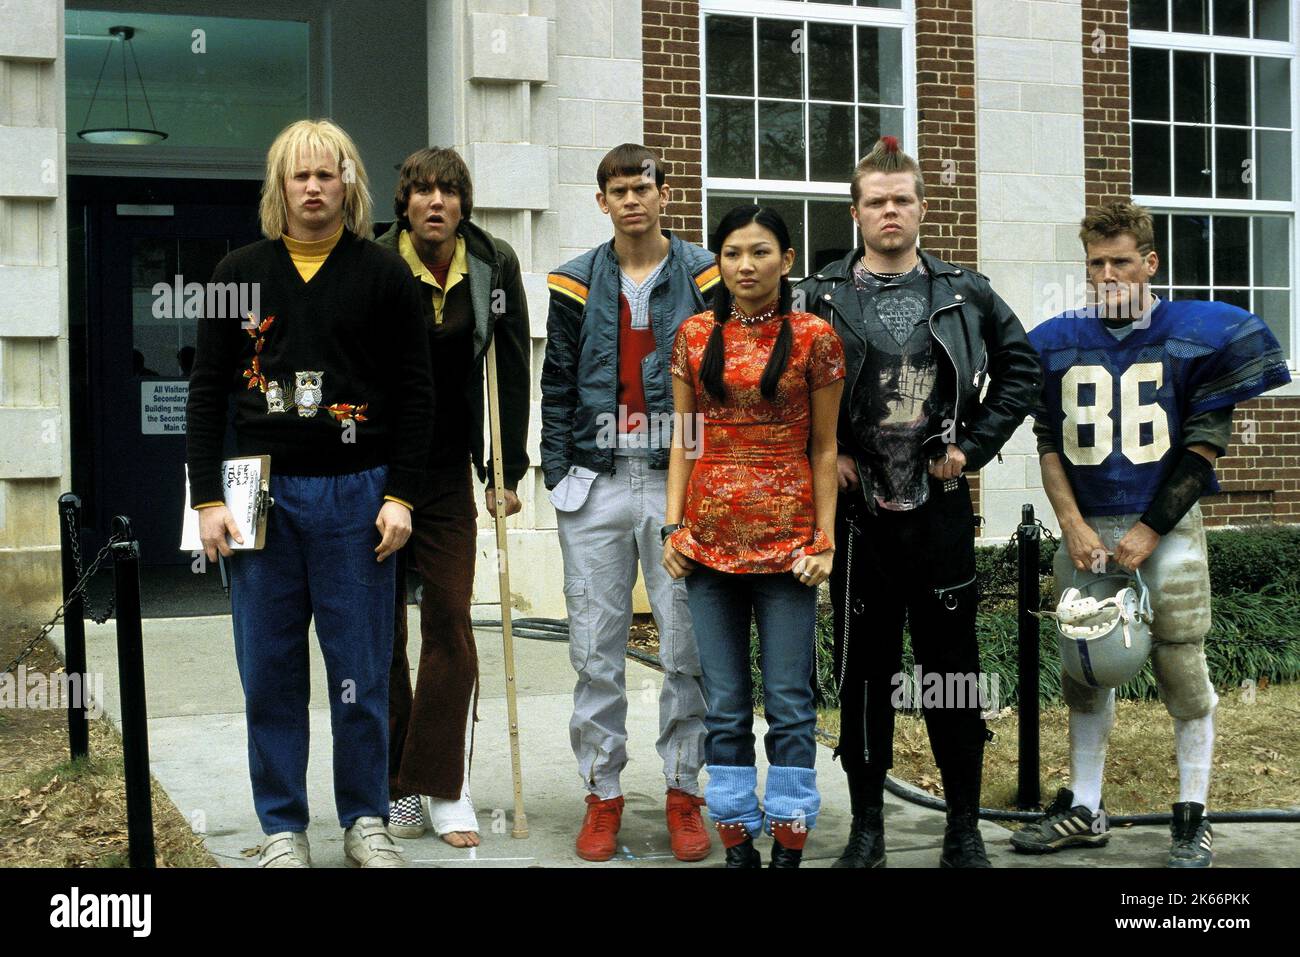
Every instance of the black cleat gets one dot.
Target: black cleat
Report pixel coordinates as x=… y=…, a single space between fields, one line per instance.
x=1192 y=843
x=1062 y=826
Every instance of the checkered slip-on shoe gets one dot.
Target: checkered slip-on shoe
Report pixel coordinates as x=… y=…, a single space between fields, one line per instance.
x=406 y=817
x=1065 y=824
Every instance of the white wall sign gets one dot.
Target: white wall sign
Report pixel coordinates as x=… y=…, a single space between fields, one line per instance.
x=162 y=406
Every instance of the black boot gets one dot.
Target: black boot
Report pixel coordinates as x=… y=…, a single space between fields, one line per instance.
x=744 y=855
x=962 y=844
x=783 y=856
x=866 y=847
x=788 y=838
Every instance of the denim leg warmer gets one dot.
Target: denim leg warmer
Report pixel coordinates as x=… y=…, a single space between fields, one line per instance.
x=791 y=796
x=732 y=793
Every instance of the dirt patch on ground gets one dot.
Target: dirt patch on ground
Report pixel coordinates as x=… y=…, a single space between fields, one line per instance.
x=58 y=813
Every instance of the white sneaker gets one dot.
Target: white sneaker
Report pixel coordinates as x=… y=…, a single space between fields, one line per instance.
x=285 y=849
x=367 y=844
x=406 y=817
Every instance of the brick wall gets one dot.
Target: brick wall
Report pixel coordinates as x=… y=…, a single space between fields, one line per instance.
x=670 y=49
x=1260 y=474
x=945 y=99
x=945 y=126
x=1106 y=145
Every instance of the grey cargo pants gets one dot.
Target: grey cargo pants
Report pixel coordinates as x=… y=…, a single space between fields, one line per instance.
x=601 y=543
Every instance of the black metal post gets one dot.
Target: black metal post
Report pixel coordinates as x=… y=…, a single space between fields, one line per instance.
x=1028 y=794
x=135 y=724
x=74 y=626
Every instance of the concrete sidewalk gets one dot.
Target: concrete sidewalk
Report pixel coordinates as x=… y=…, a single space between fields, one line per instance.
x=199 y=755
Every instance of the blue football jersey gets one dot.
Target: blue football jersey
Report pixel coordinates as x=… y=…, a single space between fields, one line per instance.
x=1116 y=407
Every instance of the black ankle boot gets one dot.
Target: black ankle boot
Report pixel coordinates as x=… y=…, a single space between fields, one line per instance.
x=783 y=856
x=866 y=847
x=744 y=855
x=962 y=844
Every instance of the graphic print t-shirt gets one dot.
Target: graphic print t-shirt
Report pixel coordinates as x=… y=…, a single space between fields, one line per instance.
x=897 y=401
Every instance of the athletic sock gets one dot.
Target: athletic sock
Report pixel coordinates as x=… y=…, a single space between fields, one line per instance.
x=1089 y=732
x=1194 y=743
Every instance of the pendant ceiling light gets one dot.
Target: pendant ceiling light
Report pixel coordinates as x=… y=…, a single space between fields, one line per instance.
x=123 y=135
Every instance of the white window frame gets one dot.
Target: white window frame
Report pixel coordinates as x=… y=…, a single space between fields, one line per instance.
x=1213 y=43
x=904 y=19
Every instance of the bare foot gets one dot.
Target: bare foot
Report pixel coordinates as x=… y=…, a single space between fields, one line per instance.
x=461 y=838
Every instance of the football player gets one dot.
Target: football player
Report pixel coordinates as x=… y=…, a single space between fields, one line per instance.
x=1137 y=405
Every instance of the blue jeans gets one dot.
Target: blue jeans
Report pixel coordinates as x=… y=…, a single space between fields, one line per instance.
x=721 y=605
x=319 y=562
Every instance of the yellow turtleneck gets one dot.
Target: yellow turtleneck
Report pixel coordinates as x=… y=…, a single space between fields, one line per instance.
x=309 y=256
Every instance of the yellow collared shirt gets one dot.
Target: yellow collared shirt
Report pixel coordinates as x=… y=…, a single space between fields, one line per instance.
x=457 y=271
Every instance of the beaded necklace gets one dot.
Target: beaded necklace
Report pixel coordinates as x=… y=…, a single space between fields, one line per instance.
x=885 y=277
x=762 y=315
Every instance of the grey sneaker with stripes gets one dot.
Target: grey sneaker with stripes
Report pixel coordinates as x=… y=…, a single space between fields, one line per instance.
x=1192 y=843
x=1063 y=825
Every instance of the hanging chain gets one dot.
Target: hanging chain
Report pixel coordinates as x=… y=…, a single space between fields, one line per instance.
x=77 y=592
x=74 y=539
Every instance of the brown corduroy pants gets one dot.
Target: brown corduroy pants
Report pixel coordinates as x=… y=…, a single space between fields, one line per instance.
x=426 y=730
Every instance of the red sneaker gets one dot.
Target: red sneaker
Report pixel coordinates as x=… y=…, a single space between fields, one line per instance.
x=598 y=838
x=686 y=830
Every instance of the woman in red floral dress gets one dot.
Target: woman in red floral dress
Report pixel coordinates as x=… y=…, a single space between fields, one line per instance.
x=751 y=512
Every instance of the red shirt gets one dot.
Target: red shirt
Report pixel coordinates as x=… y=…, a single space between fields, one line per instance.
x=439 y=271
x=633 y=346
x=749 y=501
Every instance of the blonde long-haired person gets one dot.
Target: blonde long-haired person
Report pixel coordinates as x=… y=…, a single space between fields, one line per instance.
x=331 y=379
x=750 y=522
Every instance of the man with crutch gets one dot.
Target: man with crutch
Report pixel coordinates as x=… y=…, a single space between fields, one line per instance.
x=475 y=315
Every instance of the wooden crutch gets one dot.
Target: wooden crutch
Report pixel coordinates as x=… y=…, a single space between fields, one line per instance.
x=520 y=828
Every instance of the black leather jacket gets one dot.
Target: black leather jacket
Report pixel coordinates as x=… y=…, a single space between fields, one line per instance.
x=978 y=332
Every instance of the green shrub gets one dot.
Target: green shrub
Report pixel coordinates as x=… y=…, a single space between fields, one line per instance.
x=1251 y=559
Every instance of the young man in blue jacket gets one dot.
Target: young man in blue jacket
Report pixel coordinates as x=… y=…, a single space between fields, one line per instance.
x=606 y=431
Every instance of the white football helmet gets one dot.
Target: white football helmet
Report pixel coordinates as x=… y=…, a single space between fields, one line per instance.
x=1104 y=632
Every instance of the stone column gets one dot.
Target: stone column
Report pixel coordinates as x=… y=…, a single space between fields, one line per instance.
x=34 y=454
x=1029 y=78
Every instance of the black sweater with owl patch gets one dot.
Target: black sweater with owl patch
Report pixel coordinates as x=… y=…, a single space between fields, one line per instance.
x=331 y=376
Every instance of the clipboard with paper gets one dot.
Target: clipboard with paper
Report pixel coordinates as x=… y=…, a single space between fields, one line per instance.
x=246 y=487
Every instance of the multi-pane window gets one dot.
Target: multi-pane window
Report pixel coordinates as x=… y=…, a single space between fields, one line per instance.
x=792 y=102
x=1214 y=131
x=1244 y=260
x=1258 y=19
x=1211 y=124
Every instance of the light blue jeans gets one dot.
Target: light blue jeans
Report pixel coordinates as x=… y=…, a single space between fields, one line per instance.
x=721 y=607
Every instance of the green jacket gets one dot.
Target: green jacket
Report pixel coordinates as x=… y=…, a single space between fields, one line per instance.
x=501 y=309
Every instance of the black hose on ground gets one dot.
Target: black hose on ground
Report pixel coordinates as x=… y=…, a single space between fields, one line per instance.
x=553 y=629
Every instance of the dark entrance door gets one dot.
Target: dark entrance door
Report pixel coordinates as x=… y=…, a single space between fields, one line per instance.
x=143 y=238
